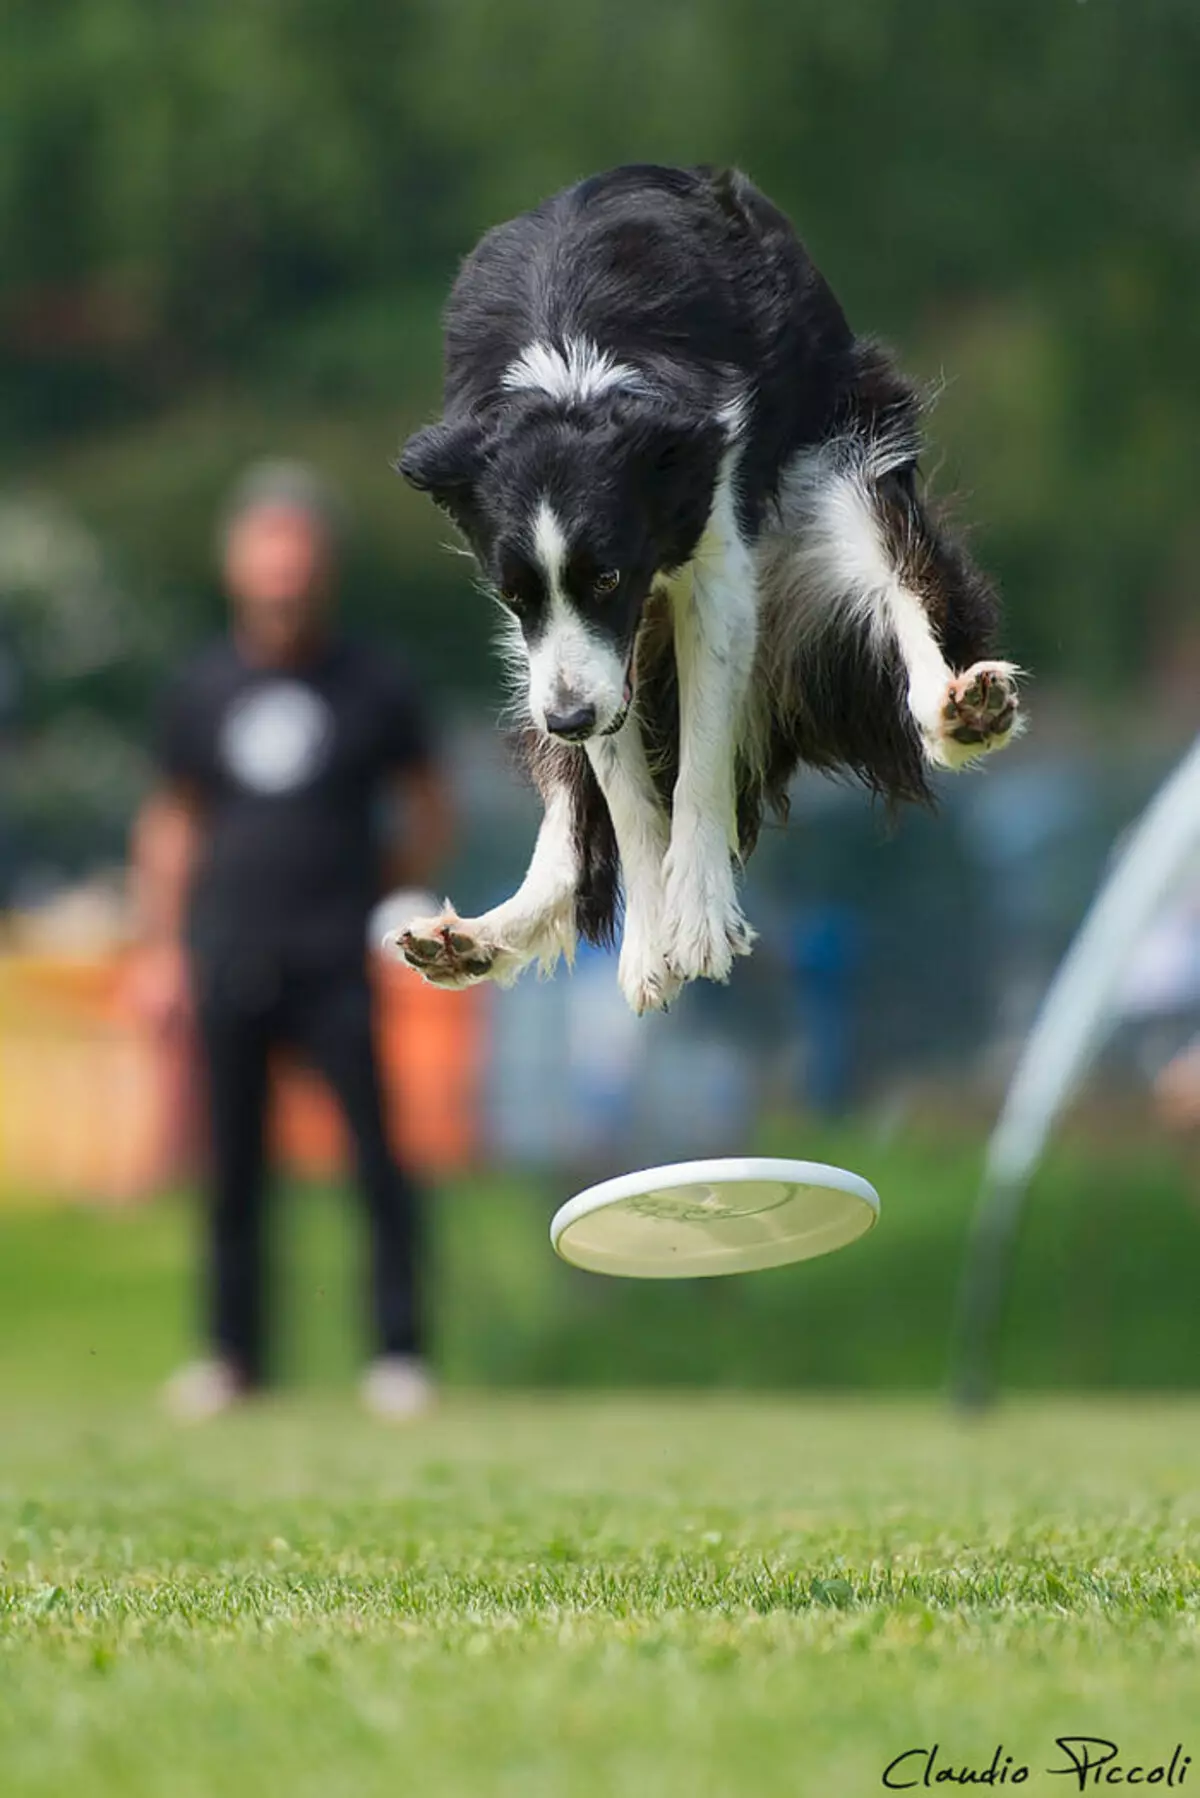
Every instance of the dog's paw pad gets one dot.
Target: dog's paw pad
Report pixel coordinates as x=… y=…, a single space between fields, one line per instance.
x=979 y=713
x=459 y=943
x=445 y=951
x=417 y=947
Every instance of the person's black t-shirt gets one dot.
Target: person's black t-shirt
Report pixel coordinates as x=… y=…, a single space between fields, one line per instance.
x=290 y=766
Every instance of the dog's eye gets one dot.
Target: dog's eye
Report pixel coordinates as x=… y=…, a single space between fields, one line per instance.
x=607 y=581
x=513 y=601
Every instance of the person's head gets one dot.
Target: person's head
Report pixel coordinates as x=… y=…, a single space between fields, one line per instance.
x=279 y=541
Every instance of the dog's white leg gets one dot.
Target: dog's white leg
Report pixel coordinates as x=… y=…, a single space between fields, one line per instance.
x=845 y=562
x=642 y=833
x=715 y=617
x=959 y=716
x=536 y=924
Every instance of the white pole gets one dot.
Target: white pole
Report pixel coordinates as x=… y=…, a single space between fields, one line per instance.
x=1071 y=1025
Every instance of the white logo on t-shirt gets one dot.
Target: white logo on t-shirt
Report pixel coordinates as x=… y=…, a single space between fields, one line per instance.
x=277 y=737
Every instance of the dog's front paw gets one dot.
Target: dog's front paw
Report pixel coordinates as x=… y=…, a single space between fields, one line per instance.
x=450 y=951
x=704 y=926
x=980 y=712
x=643 y=973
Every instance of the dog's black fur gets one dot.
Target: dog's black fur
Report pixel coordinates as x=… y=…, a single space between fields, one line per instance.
x=696 y=281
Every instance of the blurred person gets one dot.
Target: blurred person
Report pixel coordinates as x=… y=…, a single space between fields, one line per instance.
x=258 y=861
x=1162 y=994
x=1177 y=1090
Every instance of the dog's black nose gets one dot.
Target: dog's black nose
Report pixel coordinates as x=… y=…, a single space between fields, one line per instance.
x=572 y=726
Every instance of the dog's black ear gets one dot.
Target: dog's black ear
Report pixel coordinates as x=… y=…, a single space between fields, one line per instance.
x=444 y=461
x=678 y=448
x=678 y=461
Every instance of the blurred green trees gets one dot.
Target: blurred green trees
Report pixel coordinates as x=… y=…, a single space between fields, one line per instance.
x=228 y=227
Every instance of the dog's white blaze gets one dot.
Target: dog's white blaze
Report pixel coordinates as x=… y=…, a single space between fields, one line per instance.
x=577 y=372
x=569 y=666
x=550 y=547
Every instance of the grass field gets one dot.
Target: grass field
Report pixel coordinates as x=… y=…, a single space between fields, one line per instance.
x=582 y=1597
x=668 y=1595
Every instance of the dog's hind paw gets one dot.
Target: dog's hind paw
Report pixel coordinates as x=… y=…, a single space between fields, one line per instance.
x=980 y=712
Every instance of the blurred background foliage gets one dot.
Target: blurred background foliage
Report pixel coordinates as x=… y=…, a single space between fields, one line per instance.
x=229 y=228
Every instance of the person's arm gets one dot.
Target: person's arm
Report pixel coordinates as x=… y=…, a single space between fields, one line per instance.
x=420 y=827
x=167 y=837
x=165 y=846
x=1177 y=1090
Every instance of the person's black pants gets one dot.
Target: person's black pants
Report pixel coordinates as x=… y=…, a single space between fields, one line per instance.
x=326 y=1018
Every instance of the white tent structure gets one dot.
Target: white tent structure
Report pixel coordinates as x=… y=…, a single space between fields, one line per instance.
x=1073 y=1023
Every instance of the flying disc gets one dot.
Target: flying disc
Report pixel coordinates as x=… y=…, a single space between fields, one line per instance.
x=713 y=1217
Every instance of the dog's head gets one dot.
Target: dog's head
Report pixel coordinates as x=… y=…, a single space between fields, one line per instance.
x=572 y=516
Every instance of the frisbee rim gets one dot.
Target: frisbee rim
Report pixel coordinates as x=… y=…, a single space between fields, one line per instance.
x=735 y=1170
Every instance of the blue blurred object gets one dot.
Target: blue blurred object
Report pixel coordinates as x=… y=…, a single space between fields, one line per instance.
x=576 y=1079
x=605 y=1052
x=824 y=955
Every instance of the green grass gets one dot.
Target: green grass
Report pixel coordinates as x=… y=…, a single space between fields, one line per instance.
x=686 y=1595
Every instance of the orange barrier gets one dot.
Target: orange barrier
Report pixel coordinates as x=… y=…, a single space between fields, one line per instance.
x=431 y=1058
x=92 y=1106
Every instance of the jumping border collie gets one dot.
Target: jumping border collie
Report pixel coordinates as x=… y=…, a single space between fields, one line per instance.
x=694 y=493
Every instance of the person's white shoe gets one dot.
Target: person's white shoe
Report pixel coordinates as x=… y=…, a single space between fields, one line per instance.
x=202 y=1390
x=397 y=1388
